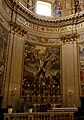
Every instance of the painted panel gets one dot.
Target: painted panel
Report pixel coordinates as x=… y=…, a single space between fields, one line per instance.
x=41 y=75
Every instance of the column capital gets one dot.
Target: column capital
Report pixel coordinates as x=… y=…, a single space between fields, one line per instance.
x=18 y=29
x=70 y=38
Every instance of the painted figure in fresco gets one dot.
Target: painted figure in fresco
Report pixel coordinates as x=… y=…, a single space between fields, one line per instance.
x=42 y=66
x=57 y=9
x=77 y=8
x=79 y=5
x=30 y=5
x=56 y=77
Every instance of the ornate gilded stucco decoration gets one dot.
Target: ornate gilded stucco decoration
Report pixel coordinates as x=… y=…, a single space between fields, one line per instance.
x=18 y=29
x=36 y=39
x=42 y=39
x=70 y=38
x=41 y=20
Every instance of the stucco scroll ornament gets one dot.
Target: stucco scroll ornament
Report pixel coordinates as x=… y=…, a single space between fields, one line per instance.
x=42 y=40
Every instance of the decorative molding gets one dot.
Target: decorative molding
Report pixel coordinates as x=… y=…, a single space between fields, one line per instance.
x=48 y=26
x=45 y=24
x=46 y=41
x=40 y=20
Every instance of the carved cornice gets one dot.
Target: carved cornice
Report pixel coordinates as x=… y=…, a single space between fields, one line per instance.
x=45 y=21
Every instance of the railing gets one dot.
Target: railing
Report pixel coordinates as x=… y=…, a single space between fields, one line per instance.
x=40 y=116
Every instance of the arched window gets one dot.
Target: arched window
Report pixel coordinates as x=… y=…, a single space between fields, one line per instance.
x=43 y=8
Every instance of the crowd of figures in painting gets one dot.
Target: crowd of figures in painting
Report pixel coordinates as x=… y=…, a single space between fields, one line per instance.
x=41 y=75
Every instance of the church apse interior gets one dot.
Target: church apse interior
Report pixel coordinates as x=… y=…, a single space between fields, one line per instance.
x=41 y=55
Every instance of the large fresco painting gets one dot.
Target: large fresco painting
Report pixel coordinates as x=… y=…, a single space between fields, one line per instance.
x=41 y=75
x=3 y=50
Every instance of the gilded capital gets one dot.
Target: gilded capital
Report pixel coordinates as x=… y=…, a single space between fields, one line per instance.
x=70 y=38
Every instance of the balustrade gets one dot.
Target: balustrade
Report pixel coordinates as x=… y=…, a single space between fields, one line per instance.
x=40 y=116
